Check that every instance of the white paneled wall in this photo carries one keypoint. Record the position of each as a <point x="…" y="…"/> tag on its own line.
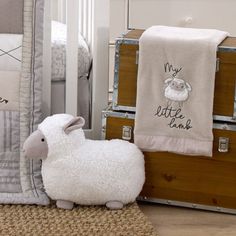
<point x="58" y="10"/>
<point x="198" y="13"/>
<point x="118" y="18"/>
<point x="54" y="9"/>
<point x="118" y="25"/>
<point x="190" y="13"/>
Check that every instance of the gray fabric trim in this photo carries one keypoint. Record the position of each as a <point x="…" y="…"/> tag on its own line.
<point x="30" y="177"/>
<point x="15" y="131"/>
<point x="10" y="131"/>
<point x="19" y="198"/>
<point x="37" y="64"/>
<point x="1" y="132"/>
<point x="25" y="107"/>
<point x="10" y="128"/>
<point x="31" y="180"/>
<point x="10" y="172"/>
<point x="11" y="16"/>
<point x="36" y="85"/>
<point x="9" y="161"/>
<point x="5" y="132"/>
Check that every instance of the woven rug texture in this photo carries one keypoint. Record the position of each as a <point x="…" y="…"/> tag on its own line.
<point x="28" y="220"/>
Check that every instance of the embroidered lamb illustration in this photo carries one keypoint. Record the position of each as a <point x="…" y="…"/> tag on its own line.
<point x="176" y="90"/>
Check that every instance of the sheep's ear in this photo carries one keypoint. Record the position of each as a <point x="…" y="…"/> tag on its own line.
<point x="75" y="123"/>
<point x="167" y="81"/>
<point x="189" y="88"/>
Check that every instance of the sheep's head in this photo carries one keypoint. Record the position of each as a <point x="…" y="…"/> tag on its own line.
<point x="178" y="84"/>
<point x="36" y="145"/>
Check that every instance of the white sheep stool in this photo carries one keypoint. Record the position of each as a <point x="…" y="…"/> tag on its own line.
<point x="82" y="171"/>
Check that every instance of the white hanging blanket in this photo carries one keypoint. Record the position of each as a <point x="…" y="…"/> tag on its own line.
<point x="175" y="89"/>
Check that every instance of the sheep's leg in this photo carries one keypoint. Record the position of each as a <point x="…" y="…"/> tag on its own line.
<point x="114" y="205"/>
<point x="65" y="204"/>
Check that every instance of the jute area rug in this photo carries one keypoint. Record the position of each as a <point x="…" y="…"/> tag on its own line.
<point x="25" y="220"/>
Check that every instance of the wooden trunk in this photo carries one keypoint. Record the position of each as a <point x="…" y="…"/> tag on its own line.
<point x="192" y="181"/>
<point x="126" y="67"/>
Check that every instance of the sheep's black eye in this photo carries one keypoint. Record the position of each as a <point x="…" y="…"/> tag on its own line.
<point x="42" y="139"/>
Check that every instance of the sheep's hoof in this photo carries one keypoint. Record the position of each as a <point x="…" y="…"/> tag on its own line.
<point x="65" y="204"/>
<point x="114" y="205"/>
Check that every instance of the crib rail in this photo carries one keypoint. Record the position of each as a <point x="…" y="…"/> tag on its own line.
<point x="85" y="19"/>
<point x="91" y="19"/>
<point x="47" y="61"/>
<point x="72" y="20"/>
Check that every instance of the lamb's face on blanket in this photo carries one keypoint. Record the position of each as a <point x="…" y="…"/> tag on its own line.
<point x="176" y="90"/>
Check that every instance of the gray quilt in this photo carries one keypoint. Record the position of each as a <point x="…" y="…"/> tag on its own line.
<point x="21" y="41"/>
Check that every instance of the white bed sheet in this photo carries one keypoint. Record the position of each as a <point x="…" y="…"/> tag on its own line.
<point x="59" y="36"/>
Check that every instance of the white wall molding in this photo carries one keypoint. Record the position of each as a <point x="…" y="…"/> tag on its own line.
<point x="46" y="85"/>
<point x="100" y="51"/>
<point x="205" y="14"/>
<point x="72" y="57"/>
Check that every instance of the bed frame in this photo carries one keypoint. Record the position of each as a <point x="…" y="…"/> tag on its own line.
<point x="91" y="18"/>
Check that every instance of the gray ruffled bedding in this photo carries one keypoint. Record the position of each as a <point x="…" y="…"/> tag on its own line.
<point x="59" y="39"/>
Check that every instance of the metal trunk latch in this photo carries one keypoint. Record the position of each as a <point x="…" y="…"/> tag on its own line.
<point x="223" y="144"/>
<point x="127" y="133"/>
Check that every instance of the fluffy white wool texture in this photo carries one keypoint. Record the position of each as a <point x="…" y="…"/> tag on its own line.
<point x="175" y="95"/>
<point x="86" y="171"/>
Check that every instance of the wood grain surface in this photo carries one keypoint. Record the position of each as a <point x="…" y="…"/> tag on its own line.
<point x="195" y="179"/>
<point x="224" y="84"/>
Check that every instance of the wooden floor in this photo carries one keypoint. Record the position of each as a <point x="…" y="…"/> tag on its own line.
<point x="177" y="221"/>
